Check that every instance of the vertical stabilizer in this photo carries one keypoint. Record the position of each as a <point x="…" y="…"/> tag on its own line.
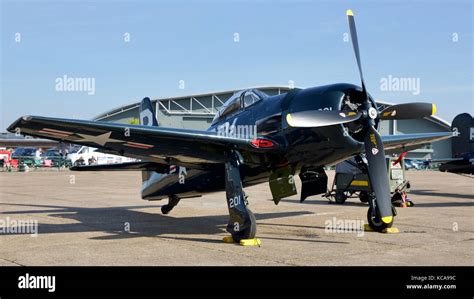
<point x="463" y="144"/>
<point x="147" y="118"/>
<point x="147" y="113"/>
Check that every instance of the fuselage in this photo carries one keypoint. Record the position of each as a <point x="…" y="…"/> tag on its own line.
<point x="297" y="147"/>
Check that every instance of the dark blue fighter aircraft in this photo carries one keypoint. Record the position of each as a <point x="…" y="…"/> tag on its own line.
<point x="462" y="147"/>
<point x="299" y="132"/>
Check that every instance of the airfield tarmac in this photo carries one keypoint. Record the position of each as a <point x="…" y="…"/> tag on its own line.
<point x="82" y="220"/>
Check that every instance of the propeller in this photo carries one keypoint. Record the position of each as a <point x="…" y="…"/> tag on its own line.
<point x="373" y="144"/>
<point x="318" y="118"/>
<point x="355" y="45"/>
<point x="377" y="169"/>
<point x="408" y="111"/>
<point x="366" y="115"/>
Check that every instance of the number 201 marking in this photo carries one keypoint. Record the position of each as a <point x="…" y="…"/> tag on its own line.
<point x="234" y="201"/>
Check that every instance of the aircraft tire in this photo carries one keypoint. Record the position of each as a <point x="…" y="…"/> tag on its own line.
<point x="340" y="197"/>
<point x="375" y="222"/>
<point x="364" y="197"/>
<point x="166" y="209"/>
<point x="250" y="232"/>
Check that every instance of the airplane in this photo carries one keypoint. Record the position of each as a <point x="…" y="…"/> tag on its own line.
<point x="462" y="147"/>
<point x="298" y="132"/>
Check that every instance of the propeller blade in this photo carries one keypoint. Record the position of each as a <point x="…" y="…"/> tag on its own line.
<point x="318" y="118"/>
<point x="408" y="111"/>
<point x="378" y="173"/>
<point x="355" y="45"/>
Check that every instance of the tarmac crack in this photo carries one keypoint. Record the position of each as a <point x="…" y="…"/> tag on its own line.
<point x="12" y="262"/>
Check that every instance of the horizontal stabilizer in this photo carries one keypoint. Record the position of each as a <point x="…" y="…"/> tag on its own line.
<point x="127" y="166"/>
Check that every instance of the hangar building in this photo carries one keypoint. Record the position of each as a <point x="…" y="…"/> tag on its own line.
<point x="197" y="111"/>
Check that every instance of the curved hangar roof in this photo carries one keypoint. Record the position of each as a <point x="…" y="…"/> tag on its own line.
<point x="208" y="104"/>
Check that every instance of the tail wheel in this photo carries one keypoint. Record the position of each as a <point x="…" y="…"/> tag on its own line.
<point x="249" y="232"/>
<point x="166" y="209"/>
<point x="364" y="197"/>
<point x="340" y="197"/>
<point x="375" y="222"/>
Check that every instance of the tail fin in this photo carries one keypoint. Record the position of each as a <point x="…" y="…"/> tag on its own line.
<point x="147" y="118"/>
<point x="463" y="144"/>
<point x="147" y="113"/>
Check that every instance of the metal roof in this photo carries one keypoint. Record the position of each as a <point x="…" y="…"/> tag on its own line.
<point x="206" y="94"/>
<point x="134" y="105"/>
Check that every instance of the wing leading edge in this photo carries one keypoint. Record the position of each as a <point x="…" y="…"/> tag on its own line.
<point x="407" y="142"/>
<point x="155" y="144"/>
<point x="189" y="148"/>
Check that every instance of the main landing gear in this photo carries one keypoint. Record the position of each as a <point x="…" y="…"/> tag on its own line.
<point x="242" y="223"/>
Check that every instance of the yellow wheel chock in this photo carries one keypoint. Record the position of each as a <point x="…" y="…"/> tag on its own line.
<point x="390" y="230"/>
<point x="243" y="242"/>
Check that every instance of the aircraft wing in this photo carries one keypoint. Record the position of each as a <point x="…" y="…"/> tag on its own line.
<point x="445" y="160"/>
<point x="32" y="142"/>
<point x="126" y="166"/>
<point x="407" y="142"/>
<point x="189" y="148"/>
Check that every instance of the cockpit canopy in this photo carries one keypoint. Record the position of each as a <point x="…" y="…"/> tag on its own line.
<point x="239" y="100"/>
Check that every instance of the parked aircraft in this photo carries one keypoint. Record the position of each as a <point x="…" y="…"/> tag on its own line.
<point x="462" y="147"/>
<point x="298" y="132"/>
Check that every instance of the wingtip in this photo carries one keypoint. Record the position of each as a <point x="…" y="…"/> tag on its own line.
<point x="11" y="129"/>
<point x="433" y="109"/>
<point x="14" y="125"/>
<point x="349" y="12"/>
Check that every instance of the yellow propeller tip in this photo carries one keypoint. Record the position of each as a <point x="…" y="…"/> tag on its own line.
<point x="349" y="12"/>
<point x="387" y="219"/>
<point x="289" y="119"/>
<point x="433" y="109"/>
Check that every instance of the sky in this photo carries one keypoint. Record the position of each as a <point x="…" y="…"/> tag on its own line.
<point x="133" y="49"/>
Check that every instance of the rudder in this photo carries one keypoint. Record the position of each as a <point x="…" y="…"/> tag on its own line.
<point x="147" y="118"/>
<point x="147" y="113"/>
<point x="463" y="144"/>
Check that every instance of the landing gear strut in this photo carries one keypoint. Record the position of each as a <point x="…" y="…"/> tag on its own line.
<point x="242" y="223"/>
<point x="172" y="202"/>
